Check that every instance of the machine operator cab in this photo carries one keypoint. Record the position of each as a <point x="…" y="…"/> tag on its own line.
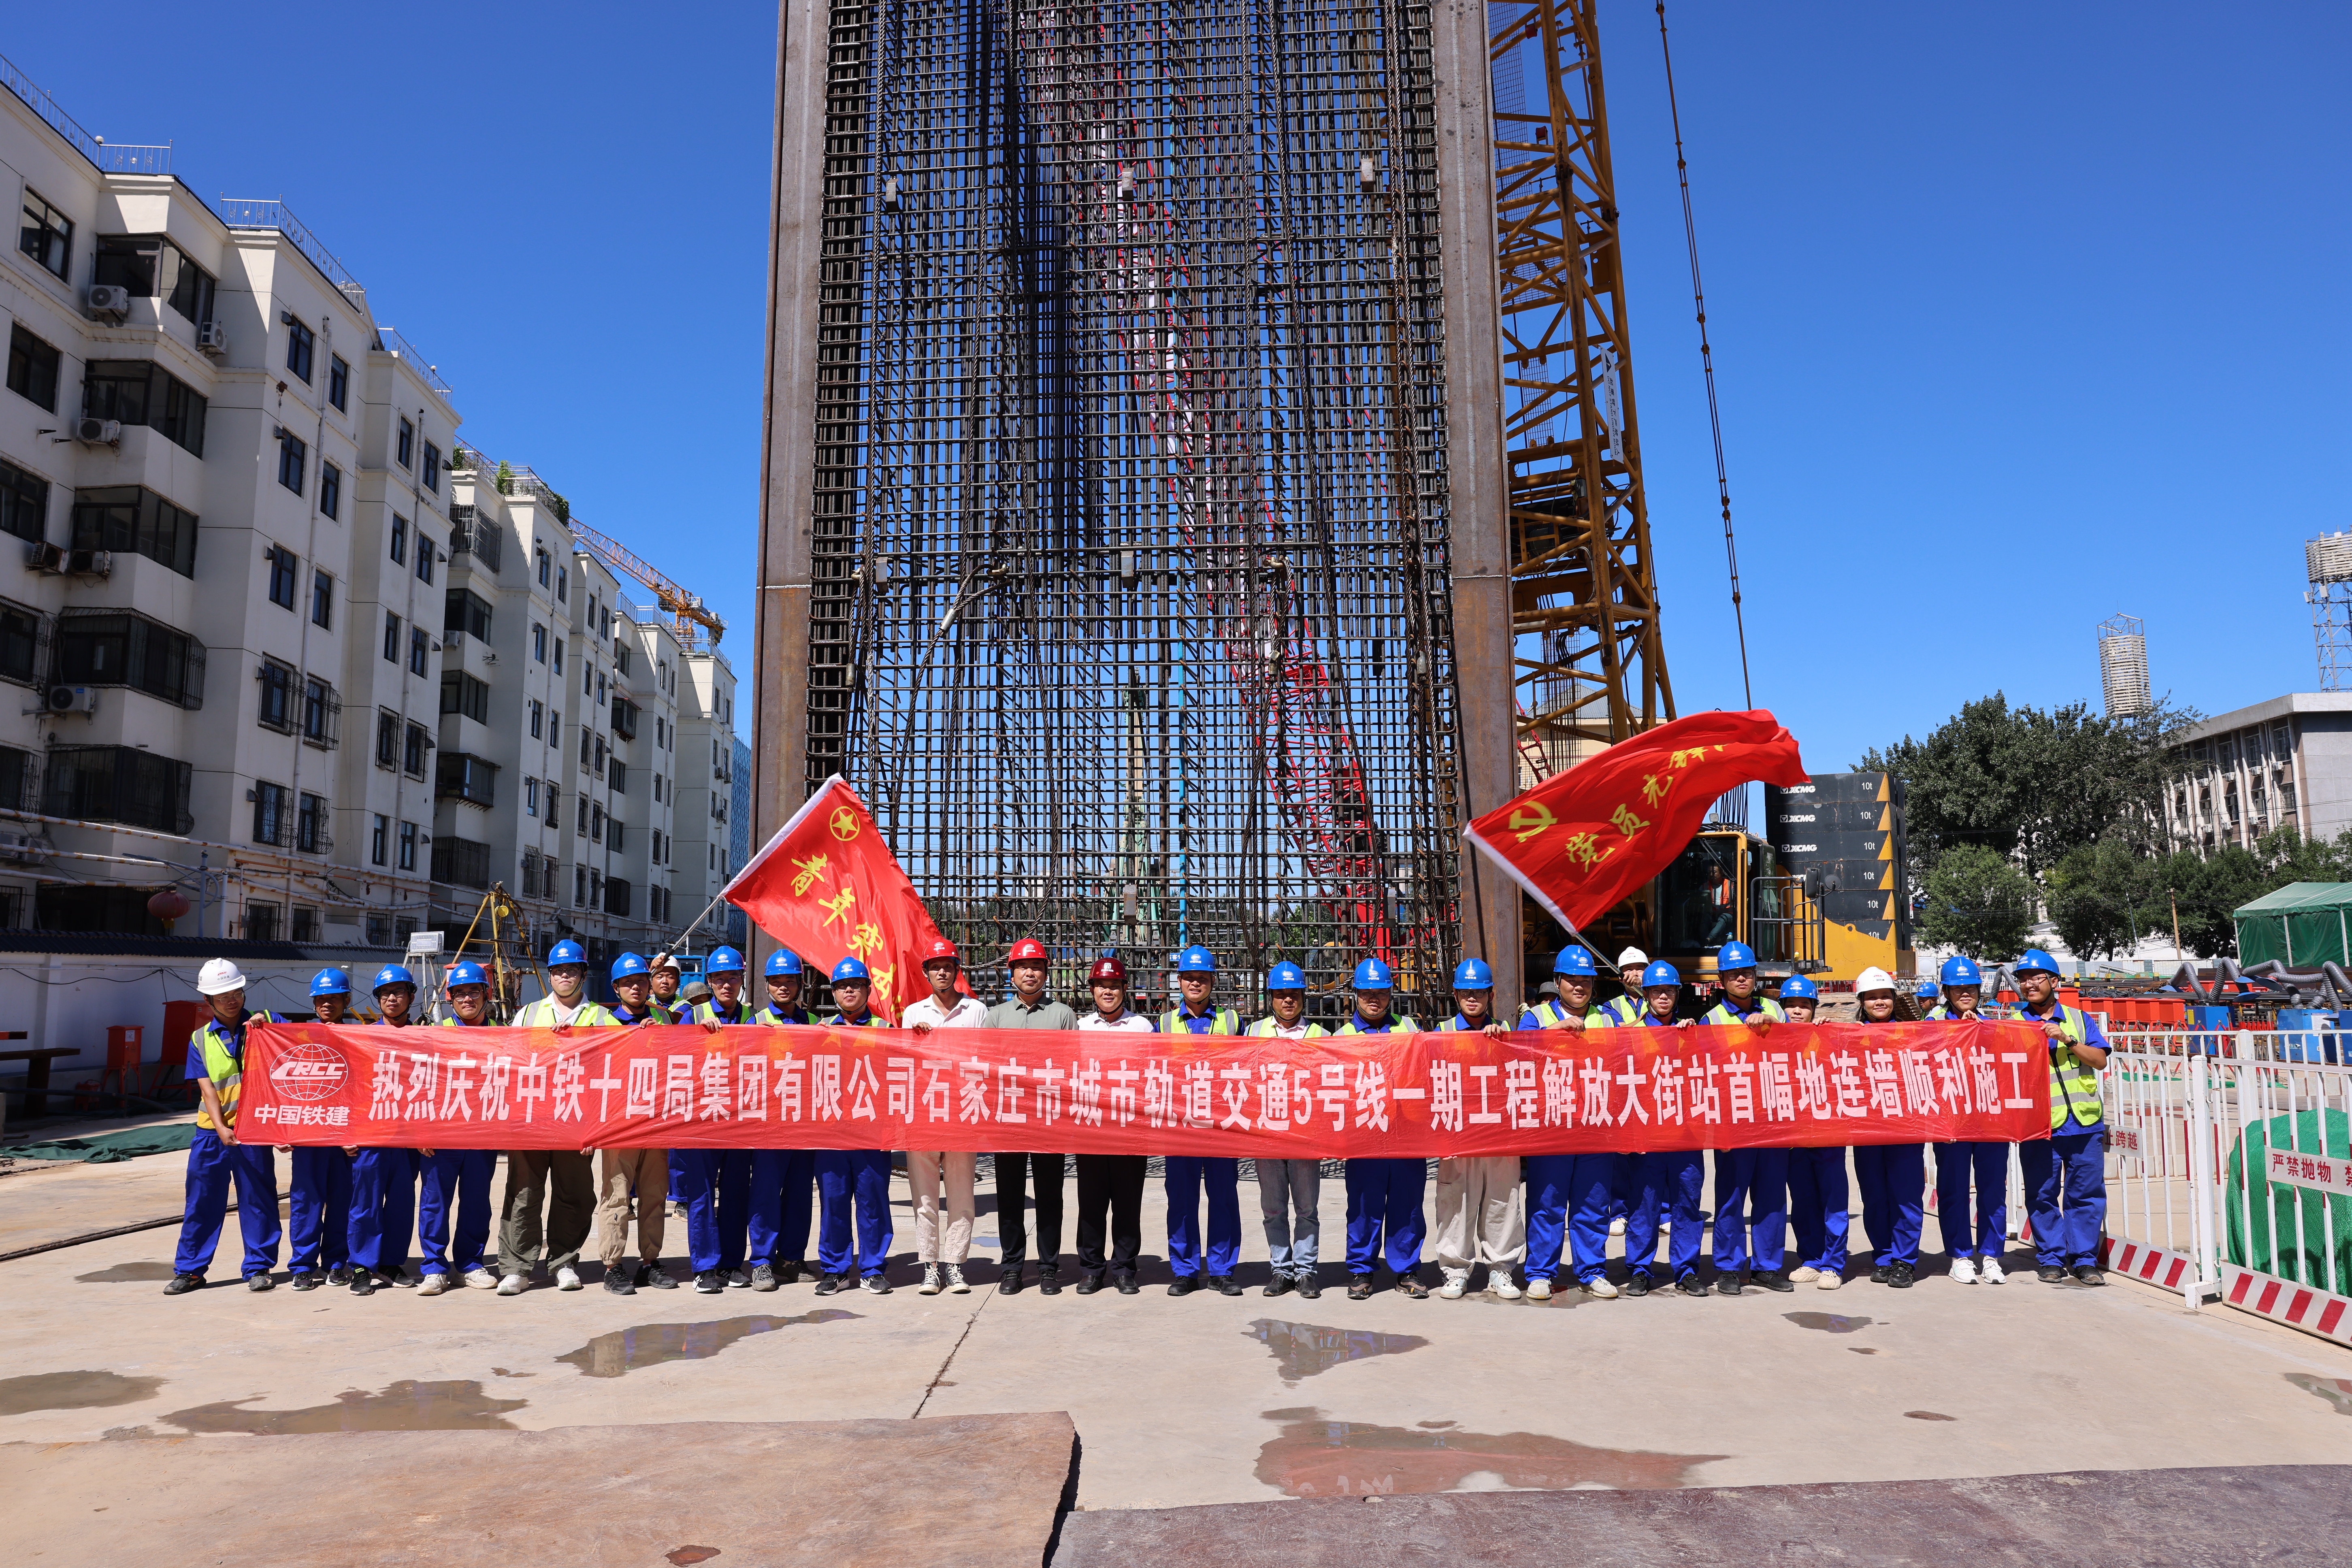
<point x="1726" y="886"/>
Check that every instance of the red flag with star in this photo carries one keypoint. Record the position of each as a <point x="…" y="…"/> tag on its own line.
<point x="1583" y="840"/>
<point x="827" y="887"/>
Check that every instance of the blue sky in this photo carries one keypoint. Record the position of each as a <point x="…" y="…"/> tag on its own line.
<point x="2022" y="314"/>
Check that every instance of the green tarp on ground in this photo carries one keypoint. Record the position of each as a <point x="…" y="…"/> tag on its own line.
<point x="169" y="1138"/>
<point x="2302" y="925"/>
<point x="2262" y="1230"/>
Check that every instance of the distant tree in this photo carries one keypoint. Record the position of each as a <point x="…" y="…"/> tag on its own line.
<point x="1977" y="902"/>
<point x="2104" y="896"/>
<point x="2286" y="856"/>
<point x="2202" y="892"/>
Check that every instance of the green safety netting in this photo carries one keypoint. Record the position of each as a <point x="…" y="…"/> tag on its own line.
<point x="2262" y="1232"/>
<point x="104" y="1148"/>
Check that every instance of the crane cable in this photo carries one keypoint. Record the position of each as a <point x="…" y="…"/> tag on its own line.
<point x="1705" y="358"/>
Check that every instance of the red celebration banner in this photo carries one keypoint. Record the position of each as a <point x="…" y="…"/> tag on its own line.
<point x="1089" y="1092"/>
<point x="827" y="887"/>
<point x="1580" y="840"/>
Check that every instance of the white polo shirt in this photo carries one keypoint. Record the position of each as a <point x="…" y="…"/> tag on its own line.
<point x="1129" y="1021"/>
<point x="967" y="1013"/>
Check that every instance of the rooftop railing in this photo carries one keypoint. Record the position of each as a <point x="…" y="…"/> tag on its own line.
<point x="408" y="353"/>
<point x="247" y="212"/>
<point x="123" y="158"/>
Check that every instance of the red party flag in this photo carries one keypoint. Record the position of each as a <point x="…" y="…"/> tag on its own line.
<point x="827" y="887"/>
<point x="1580" y="840"/>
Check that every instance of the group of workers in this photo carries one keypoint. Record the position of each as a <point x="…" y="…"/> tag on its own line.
<point x="1544" y="1219"/>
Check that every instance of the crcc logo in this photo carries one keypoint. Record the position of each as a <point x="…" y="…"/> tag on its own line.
<point x="308" y="1072"/>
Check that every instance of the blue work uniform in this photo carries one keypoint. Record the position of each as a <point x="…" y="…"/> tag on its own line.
<point x="318" y="1210"/>
<point x="1752" y="1185"/>
<point x="1894" y="1181"/>
<point x="214" y="1166"/>
<point x="2066" y="1176"/>
<point x="784" y="1184"/>
<point x="1189" y="1175"/>
<point x="384" y="1202"/>
<point x="1663" y="1178"/>
<point x="717" y="1181"/>
<point x="858" y="1179"/>
<point x="1569" y="1196"/>
<point x="453" y="1202"/>
<point x="1981" y="1229"/>
<point x="1384" y="1195"/>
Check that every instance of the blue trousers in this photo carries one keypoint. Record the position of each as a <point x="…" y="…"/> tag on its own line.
<point x="212" y="1168"/>
<point x="1676" y="1177"/>
<point x="717" y="1187"/>
<point x="2066" y="1194"/>
<point x="1818" y="1202"/>
<point x="1981" y="1230"/>
<point x="777" y="1219"/>
<point x="454" y="1195"/>
<point x="1571" y="1198"/>
<point x="1551" y="1183"/>
<point x="318" y="1210"/>
<point x="1751" y="1209"/>
<point x="862" y="1177"/>
<point x="1187" y="1175"/>
<point x="1893" y="1181"/>
<point x="1384" y="1205"/>
<point x="383" y="1206"/>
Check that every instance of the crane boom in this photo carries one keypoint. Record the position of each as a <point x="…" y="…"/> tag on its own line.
<point x="668" y="596"/>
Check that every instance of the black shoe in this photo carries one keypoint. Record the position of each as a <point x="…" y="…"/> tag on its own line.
<point x="1310" y="1287"/>
<point x="1360" y="1288"/>
<point x="362" y="1282"/>
<point x="2052" y="1275"/>
<point x="1900" y="1276"/>
<point x="737" y="1280"/>
<point x="1049" y="1282"/>
<point x="1224" y="1285"/>
<point x="1637" y="1283"/>
<point x="306" y="1280"/>
<point x="1280" y="1285"/>
<point x="1411" y="1285"/>
<point x="873" y="1285"/>
<point x="789" y="1272"/>
<point x="182" y="1283"/>
<point x="831" y="1284"/>
<point x="651" y="1277"/>
<point x="710" y="1282"/>
<point x="341" y="1274"/>
<point x="1777" y="1283"/>
<point x="617" y="1282"/>
<point x="1125" y="1284"/>
<point x="1087" y="1284"/>
<point x="763" y="1277"/>
<point x="257" y="1282"/>
<point x="395" y="1275"/>
<point x="1727" y="1284"/>
<point x="1691" y="1284"/>
<point x="2090" y="1274"/>
<point x="1008" y="1281"/>
<point x="1879" y="1275"/>
<point x="1183" y="1284"/>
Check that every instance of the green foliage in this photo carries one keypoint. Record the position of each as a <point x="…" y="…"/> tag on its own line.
<point x="505" y="478"/>
<point x="1978" y="902"/>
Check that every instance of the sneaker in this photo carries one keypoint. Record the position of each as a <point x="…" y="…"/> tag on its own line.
<point x="789" y="1271"/>
<point x="1088" y="1285"/>
<point x="875" y="1285"/>
<point x="260" y="1282"/>
<point x="1310" y="1287"/>
<point x="306" y="1280"/>
<point x="1900" y="1276"/>
<point x="395" y="1275"/>
<point x="1279" y="1285"/>
<point x="710" y="1282"/>
<point x="2087" y="1273"/>
<point x="512" y="1285"/>
<point x="2052" y="1275"/>
<point x="956" y="1284"/>
<point x="1183" y="1285"/>
<point x="1125" y="1284"/>
<point x="829" y="1284"/>
<point x="1411" y="1285"/>
<point x="763" y="1277"/>
<point x="481" y="1279"/>
<point x="341" y="1274"/>
<point x="1538" y="1288"/>
<point x="1599" y="1288"/>
<point x="1963" y="1272"/>
<point x="1804" y="1274"/>
<point x="1617" y="1226"/>
<point x="1829" y="1280"/>
<point x="434" y="1285"/>
<point x="931" y="1285"/>
<point x="1360" y="1288"/>
<point x="677" y="1211"/>
<point x="1637" y="1283"/>
<point x="616" y="1281"/>
<point x="651" y="1276"/>
<point x="567" y="1279"/>
<point x="362" y="1282"/>
<point x="1988" y="1269"/>
<point x="1878" y="1275"/>
<point x="1726" y="1282"/>
<point x="1456" y="1286"/>
<point x="1691" y="1284"/>
<point x="1776" y="1283"/>
<point x="1502" y="1287"/>
<point x="182" y="1283"/>
<point x="1224" y="1285"/>
<point x="738" y="1278"/>
<point x="1049" y="1282"/>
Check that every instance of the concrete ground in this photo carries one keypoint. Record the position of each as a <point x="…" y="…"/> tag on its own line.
<point x="1203" y="1399"/>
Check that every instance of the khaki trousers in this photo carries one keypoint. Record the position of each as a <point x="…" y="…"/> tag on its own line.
<point x="564" y="1181"/>
<point x="620" y="1174"/>
<point x="1481" y="1214"/>
<point x="928" y="1174"/>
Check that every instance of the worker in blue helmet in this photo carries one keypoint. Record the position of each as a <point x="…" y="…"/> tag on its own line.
<point x="319" y="1187"/>
<point x="1384" y="1212"/>
<point x="1290" y="1192"/>
<point x="1975" y="1233"/>
<point x="1800" y="998"/>
<point x="383" y="1181"/>
<point x="1752" y="1185"/>
<point x="715" y="1184"/>
<point x="1664" y="1180"/>
<point x="852" y="1185"/>
<point x="1569" y="1196"/>
<point x="551" y="1197"/>
<point x="1481" y="1212"/>
<point x="453" y="1193"/>
<point x="1192" y="1178"/>
<point x="220" y="1158"/>
<point x="625" y="1179"/>
<point x="2065" y="1176"/>
<point x="784" y="974"/>
<point x="784" y="1181"/>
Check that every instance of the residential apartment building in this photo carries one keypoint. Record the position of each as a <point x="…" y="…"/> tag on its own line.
<point x="708" y="816"/>
<point x="2286" y="763"/>
<point x="279" y="641"/>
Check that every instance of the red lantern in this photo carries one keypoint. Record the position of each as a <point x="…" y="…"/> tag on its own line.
<point x="168" y="906"/>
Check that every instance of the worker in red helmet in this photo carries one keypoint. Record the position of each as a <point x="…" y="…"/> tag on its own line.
<point x="1029" y="1007"/>
<point x="931" y="1171"/>
<point x="1111" y="1183"/>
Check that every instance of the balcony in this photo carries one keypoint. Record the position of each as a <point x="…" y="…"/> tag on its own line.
<point x="472" y="535"/>
<point x="467" y="778"/>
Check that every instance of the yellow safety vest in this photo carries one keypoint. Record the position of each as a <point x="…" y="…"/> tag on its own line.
<point x="225" y="1070"/>
<point x="1547" y="1014"/>
<point x="1264" y="1029"/>
<point x="1398" y="1025"/>
<point x="1221" y="1021"/>
<point x="1721" y="1012"/>
<point x="1624" y="1011"/>
<point x="707" y="1013"/>
<point x="2073" y="1087"/>
<point x="540" y="1015"/>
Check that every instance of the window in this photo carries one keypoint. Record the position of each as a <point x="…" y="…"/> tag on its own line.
<point x="580" y="818"/>
<point x="311" y="832"/>
<point x="600" y="689"/>
<point x="387" y="739"/>
<point x="139" y="392"/>
<point x="583" y="747"/>
<point x="559" y="655"/>
<point x="625" y="717"/>
<point x="538" y="633"/>
<point x="24" y="503"/>
<point x="423" y="556"/>
<point x="579" y="885"/>
<point x="587" y="680"/>
<point x="281" y="576"/>
<point x="406" y="446"/>
<point x="596" y="827"/>
<point x="331" y="490"/>
<point x="306" y="923"/>
<point x="339" y="382"/>
<point x="322" y="599"/>
<point x="299" y="345"/>
<point x="152" y="268"/>
<point x="559" y="575"/>
<point x="47" y="234"/>
<point x="543" y="564"/>
<point x="461" y="693"/>
<point x="462" y="776"/>
<point x="408" y="847"/>
<point x="618" y="771"/>
<point x="461" y="861"/>
<point x="272" y="823"/>
<point x="417" y="743"/>
<point x="420" y="651"/>
<point x="399" y="539"/>
<point x="468" y="612"/>
<point x="113" y="649"/>
<point x="391" y="637"/>
<point x="192" y="287"/>
<point x="276" y="696"/>
<point x="616" y="897"/>
<point x="378" y="839"/>
<point x="293" y="454"/>
<point x="537" y="717"/>
<point x="658" y="789"/>
<point x="531" y="797"/>
<point x="554" y="727"/>
<point x="432" y="468"/>
<point x="555" y="800"/>
<point x="128" y="518"/>
<point x="322" y="714"/>
<point x="21" y="637"/>
<point x="260" y="920"/>
<point x="32" y="368"/>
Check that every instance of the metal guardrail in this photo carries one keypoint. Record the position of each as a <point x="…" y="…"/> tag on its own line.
<point x="250" y="212"/>
<point x="401" y="349"/>
<point x="122" y="159"/>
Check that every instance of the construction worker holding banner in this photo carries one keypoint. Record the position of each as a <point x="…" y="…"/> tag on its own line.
<point x="854" y="1183"/>
<point x="1752" y="1185"/>
<point x="1193" y="1177"/>
<point x="932" y="1173"/>
<point x="1570" y="1196"/>
<point x="319" y="1191"/>
<point x="218" y="1159"/>
<point x="1893" y="1176"/>
<point x="1289" y="1192"/>
<point x="784" y="1181"/>
<point x="2065" y="1178"/>
<point x="1974" y="1234"/>
<point x="717" y="1182"/>
<point x="453" y="1193"/>
<point x="1110" y="1186"/>
<point x="1029" y="1008"/>
<point x="1481" y="1213"/>
<point x="1675" y="1178"/>
<point x="550" y="1194"/>
<point x="1383" y="1196"/>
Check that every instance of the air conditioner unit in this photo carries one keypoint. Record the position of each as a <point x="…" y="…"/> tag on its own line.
<point x="46" y="557"/>
<point x="89" y="563"/>
<point x="110" y="300"/>
<point x="25" y="848"/>
<point x="99" y="432"/>
<point x="213" y="338"/>
<point x="72" y="700"/>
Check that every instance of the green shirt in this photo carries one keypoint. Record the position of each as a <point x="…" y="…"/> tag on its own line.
<point x="1014" y="1014"/>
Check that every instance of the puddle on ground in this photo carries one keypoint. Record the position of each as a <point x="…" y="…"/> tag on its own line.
<point x="125" y="1274"/>
<point x="1319" y="1457"/>
<point x="73" y="1391"/>
<point x="501" y="1371"/>
<point x="686" y="1555"/>
<point x="1828" y="1322"/>
<point x="1863" y="1349"/>
<point x="1305" y="1349"/>
<point x="2337" y="1391"/>
<point x="1929" y="1416"/>
<point x="404" y="1406"/>
<point x="650" y="1345"/>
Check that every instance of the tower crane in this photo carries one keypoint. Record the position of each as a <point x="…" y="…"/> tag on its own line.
<point x="687" y="611"/>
